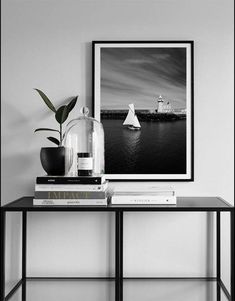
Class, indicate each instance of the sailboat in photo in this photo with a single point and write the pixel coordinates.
(131, 120)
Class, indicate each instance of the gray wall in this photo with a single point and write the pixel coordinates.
(47, 44)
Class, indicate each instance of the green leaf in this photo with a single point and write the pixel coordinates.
(62, 114)
(54, 140)
(46, 129)
(46, 100)
(72, 103)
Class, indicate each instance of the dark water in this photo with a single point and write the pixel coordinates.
(158, 148)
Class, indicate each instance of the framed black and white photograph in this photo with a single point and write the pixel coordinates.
(143, 95)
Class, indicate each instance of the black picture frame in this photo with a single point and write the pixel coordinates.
(112, 48)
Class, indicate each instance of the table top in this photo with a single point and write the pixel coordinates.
(183, 204)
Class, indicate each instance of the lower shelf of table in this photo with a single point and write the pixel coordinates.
(104, 290)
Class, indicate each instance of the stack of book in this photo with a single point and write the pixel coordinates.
(65, 191)
(149, 195)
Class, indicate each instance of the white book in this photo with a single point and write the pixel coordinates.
(70, 202)
(143, 200)
(71, 187)
(146, 190)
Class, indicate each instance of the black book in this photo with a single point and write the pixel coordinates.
(69, 180)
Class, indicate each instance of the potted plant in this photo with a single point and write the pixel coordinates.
(53, 158)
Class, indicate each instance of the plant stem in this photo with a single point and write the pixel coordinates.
(61, 133)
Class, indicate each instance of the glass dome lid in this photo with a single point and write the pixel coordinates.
(84, 145)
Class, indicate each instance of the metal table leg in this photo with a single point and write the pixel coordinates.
(2, 250)
(232, 255)
(119, 256)
(24, 253)
(218, 255)
(218, 247)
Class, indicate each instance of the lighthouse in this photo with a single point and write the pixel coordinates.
(160, 108)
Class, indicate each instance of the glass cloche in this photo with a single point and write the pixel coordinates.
(84, 144)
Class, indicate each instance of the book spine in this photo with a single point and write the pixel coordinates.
(69, 180)
(70, 194)
(54, 202)
(146, 193)
(143, 200)
(68, 187)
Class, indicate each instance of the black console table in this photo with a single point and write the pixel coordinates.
(184, 204)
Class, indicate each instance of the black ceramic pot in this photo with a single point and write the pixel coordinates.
(53, 160)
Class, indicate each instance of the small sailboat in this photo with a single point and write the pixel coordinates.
(131, 119)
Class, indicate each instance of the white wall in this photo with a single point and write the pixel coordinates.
(47, 44)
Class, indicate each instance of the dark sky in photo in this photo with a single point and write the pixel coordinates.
(140, 75)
